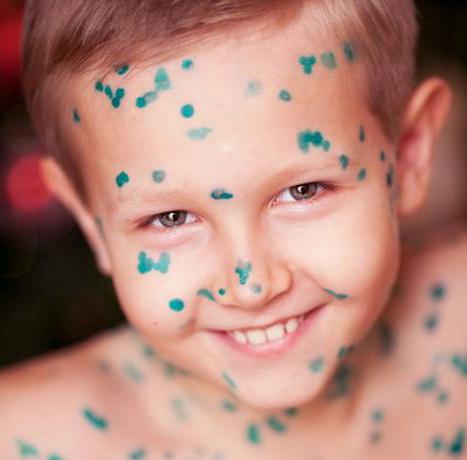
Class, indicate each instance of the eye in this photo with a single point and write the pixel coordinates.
(302, 192)
(170, 219)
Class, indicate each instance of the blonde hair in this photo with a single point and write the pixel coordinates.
(63, 38)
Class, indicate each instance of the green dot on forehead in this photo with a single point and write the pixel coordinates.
(176, 305)
(187, 110)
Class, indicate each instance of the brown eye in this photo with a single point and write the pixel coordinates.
(172, 218)
(304, 191)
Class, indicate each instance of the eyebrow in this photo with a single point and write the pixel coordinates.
(128, 202)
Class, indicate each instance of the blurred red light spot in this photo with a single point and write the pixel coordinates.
(25, 187)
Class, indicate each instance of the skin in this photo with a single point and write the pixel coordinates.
(296, 249)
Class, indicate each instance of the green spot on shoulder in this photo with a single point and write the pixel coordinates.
(329, 60)
(198, 134)
(176, 304)
(206, 293)
(307, 63)
(285, 95)
(95, 420)
(122, 179)
(275, 424)
(221, 194)
(26, 449)
(158, 176)
(187, 64)
(253, 434)
(187, 110)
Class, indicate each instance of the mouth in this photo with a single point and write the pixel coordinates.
(273, 340)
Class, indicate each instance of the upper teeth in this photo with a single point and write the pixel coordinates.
(271, 334)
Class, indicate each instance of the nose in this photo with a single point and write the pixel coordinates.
(254, 274)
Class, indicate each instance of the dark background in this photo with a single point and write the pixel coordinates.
(51, 294)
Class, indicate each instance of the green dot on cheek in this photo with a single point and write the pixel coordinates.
(176, 304)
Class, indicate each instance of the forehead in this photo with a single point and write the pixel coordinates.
(244, 96)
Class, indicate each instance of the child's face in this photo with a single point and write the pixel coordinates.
(244, 187)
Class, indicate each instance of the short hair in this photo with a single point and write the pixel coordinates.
(63, 38)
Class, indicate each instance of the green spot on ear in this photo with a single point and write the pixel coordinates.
(95, 420)
(199, 134)
(307, 63)
(187, 64)
(206, 293)
(158, 176)
(176, 305)
(221, 194)
(122, 179)
(187, 111)
(362, 174)
(344, 161)
(285, 95)
(76, 117)
(253, 434)
(329, 60)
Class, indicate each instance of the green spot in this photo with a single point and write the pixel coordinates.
(221, 194)
(386, 336)
(146, 99)
(179, 408)
(254, 87)
(158, 176)
(362, 174)
(344, 351)
(137, 454)
(229, 406)
(382, 156)
(187, 64)
(427, 384)
(221, 291)
(431, 322)
(457, 445)
(76, 117)
(123, 69)
(336, 295)
(437, 444)
(161, 80)
(243, 270)
(95, 420)
(253, 434)
(285, 95)
(377, 415)
(275, 424)
(314, 138)
(122, 179)
(187, 111)
(99, 86)
(460, 363)
(349, 51)
(206, 293)
(307, 63)
(317, 365)
(108, 91)
(198, 134)
(362, 134)
(146, 264)
(329, 60)
(390, 176)
(131, 371)
(148, 352)
(344, 161)
(26, 449)
(341, 381)
(375, 437)
(176, 305)
(443, 397)
(229, 381)
(438, 292)
(256, 288)
(55, 457)
(291, 411)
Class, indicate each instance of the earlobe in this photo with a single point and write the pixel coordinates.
(424, 118)
(62, 188)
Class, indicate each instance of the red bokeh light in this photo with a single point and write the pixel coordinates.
(25, 187)
(10, 41)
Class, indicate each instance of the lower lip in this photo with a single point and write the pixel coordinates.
(272, 348)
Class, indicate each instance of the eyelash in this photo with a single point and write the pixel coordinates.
(325, 188)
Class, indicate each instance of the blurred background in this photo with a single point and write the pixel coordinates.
(51, 294)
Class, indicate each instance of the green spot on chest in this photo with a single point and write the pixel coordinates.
(122, 179)
(95, 420)
(253, 434)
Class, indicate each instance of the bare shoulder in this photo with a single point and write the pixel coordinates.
(66, 404)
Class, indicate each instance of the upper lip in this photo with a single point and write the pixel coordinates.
(269, 323)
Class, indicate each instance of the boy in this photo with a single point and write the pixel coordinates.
(240, 169)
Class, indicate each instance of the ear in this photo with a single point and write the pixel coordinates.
(61, 186)
(423, 119)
